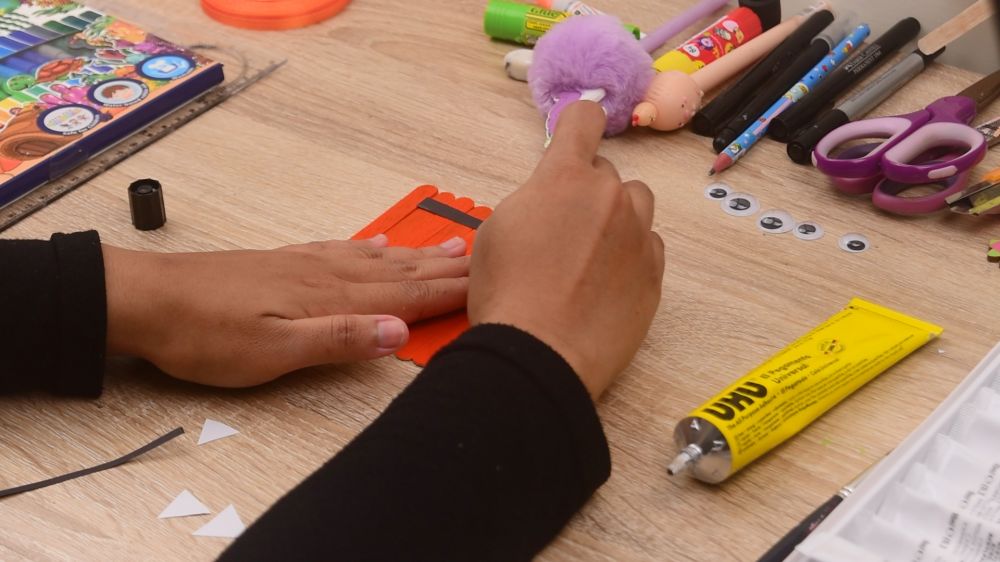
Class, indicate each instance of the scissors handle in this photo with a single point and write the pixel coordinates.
(851, 165)
(913, 159)
(970, 145)
(886, 195)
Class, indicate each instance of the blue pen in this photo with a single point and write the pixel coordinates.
(758, 128)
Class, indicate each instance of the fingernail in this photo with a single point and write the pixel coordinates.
(379, 239)
(453, 244)
(392, 333)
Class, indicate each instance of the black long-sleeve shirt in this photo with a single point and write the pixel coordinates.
(485, 456)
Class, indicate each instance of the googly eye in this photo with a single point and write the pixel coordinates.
(740, 204)
(717, 191)
(808, 230)
(854, 243)
(775, 221)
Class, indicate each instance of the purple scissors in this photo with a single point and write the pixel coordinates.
(933, 146)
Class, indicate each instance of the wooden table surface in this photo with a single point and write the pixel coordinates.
(396, 93)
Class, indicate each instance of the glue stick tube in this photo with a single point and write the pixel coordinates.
(788, 391)
(524, 23)
(574, 7)
(732, 30)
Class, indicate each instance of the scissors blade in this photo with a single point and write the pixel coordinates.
(984, 91)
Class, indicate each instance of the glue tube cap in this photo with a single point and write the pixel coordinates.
(272, 14)
(145, 201)
(769, 11)
(505, 20)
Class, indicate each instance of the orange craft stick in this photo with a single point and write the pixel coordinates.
(432, 335)
(408, 226)
(420, 225)
(447, 233)
(396, 213)
(429, 336)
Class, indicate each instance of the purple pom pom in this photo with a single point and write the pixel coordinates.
(587, 52)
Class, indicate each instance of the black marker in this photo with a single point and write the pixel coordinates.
(865, 60)
(776, 87)
(713, 116)
(801, 147)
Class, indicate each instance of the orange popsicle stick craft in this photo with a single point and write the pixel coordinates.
(427, 217)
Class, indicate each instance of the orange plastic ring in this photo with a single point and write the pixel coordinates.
(272, 14)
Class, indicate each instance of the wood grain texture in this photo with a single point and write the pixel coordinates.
(395, 93)
(957, 26)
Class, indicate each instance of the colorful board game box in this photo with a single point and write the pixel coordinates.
(74, 81)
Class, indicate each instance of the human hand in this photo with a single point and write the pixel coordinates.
(570, 257)
(241, 318)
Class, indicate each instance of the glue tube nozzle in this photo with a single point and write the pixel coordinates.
(684, 459)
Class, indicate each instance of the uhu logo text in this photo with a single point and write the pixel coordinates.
(737, 401)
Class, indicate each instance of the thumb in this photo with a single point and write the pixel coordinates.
(344, 338)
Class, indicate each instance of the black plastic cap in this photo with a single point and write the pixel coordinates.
(724, 138)
(701, 124)
(145, 201)
(779, 130)
(769, 11)
(800, 149)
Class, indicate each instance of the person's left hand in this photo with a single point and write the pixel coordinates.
(241, 318)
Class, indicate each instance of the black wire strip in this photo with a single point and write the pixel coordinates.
(110, 464)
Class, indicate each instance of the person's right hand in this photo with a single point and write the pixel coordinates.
(570, 257)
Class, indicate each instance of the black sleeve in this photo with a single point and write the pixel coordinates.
(485, 456)
(53, 324)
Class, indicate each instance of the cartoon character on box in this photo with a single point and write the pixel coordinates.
(107, 32)
(67, 95)
(21, 139)
(58, 69)
(12, 87)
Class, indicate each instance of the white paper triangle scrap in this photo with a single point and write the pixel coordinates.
(226, 524)
(213, 430)
(184, 504)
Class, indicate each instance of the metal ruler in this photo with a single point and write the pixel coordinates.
(56, 188)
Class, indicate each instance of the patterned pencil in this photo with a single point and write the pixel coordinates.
(814, 77)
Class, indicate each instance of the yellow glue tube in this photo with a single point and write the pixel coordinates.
(793, 388)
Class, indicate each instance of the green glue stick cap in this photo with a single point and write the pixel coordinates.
(508, 21)
(524, 23)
